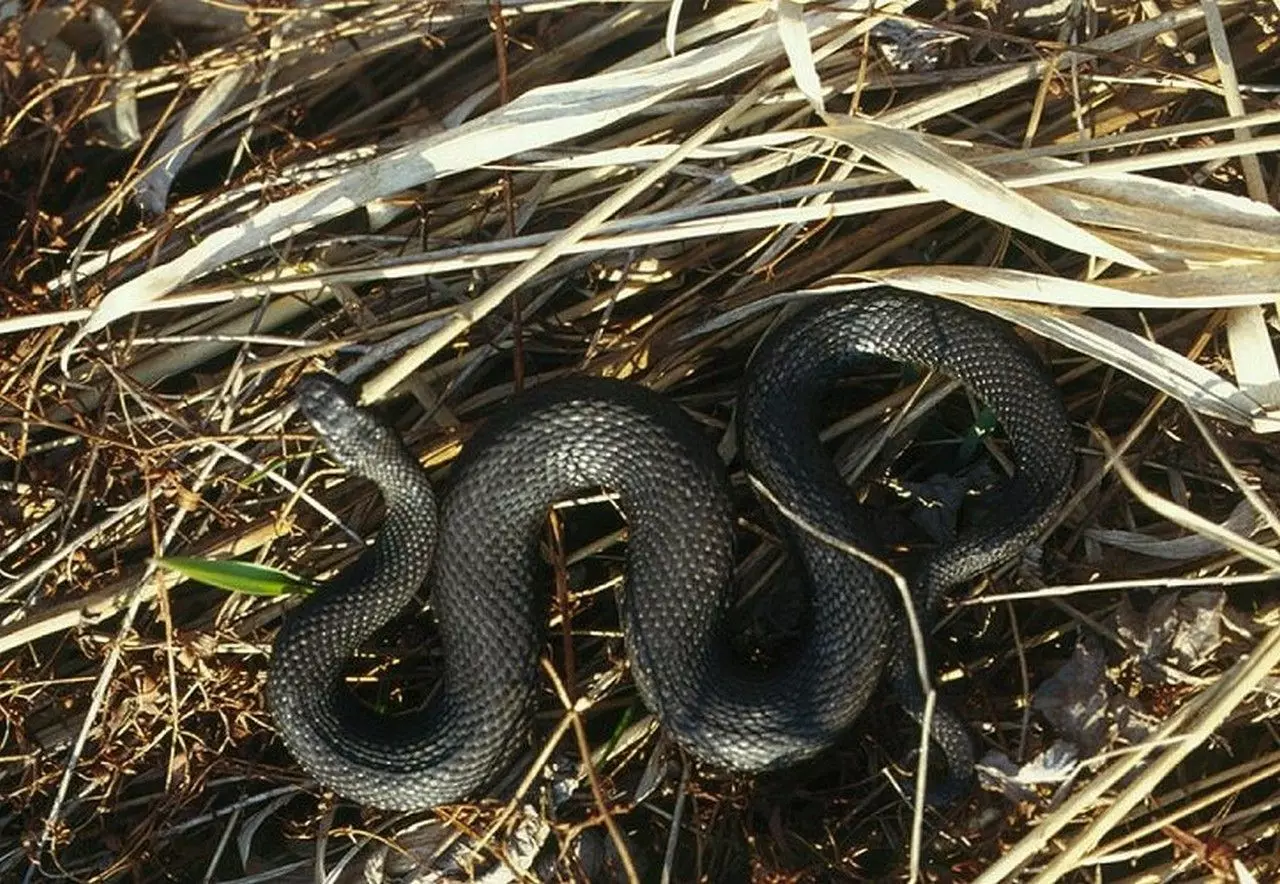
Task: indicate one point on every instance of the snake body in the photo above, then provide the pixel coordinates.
(478, 551)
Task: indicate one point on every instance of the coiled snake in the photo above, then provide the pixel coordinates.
(479, 547)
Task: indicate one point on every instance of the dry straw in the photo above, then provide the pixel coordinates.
(448, 201)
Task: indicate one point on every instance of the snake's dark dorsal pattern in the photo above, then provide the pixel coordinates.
(587, 433)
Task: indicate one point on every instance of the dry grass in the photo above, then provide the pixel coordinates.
(448, 201)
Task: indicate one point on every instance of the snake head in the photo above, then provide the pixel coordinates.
(350, 432)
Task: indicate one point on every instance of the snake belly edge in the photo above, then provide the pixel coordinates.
(480, 558)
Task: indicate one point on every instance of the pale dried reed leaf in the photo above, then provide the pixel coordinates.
(1210, 225)
(795, 40)
(931, 169)
(1216, 286)
(1253, 357)
(540, 117)
(1213, 287)
(1154, 135)
(673, 27)
(15, 324)
(1248, 338)
(1154, 364)
(635, 154)
(1214, 209)
(1171, 253)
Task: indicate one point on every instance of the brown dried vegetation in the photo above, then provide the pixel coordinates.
(1088, 157)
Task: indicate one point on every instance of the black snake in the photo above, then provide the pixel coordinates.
(479, 547)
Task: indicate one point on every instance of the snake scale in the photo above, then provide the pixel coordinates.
(476, 546)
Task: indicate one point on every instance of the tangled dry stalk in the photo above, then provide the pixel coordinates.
(448, 201)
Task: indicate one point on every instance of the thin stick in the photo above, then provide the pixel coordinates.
(917, 643)
(584, 747)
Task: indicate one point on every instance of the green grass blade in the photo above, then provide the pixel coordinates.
(245, 577)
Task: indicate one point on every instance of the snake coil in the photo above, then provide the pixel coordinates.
(477, 549)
